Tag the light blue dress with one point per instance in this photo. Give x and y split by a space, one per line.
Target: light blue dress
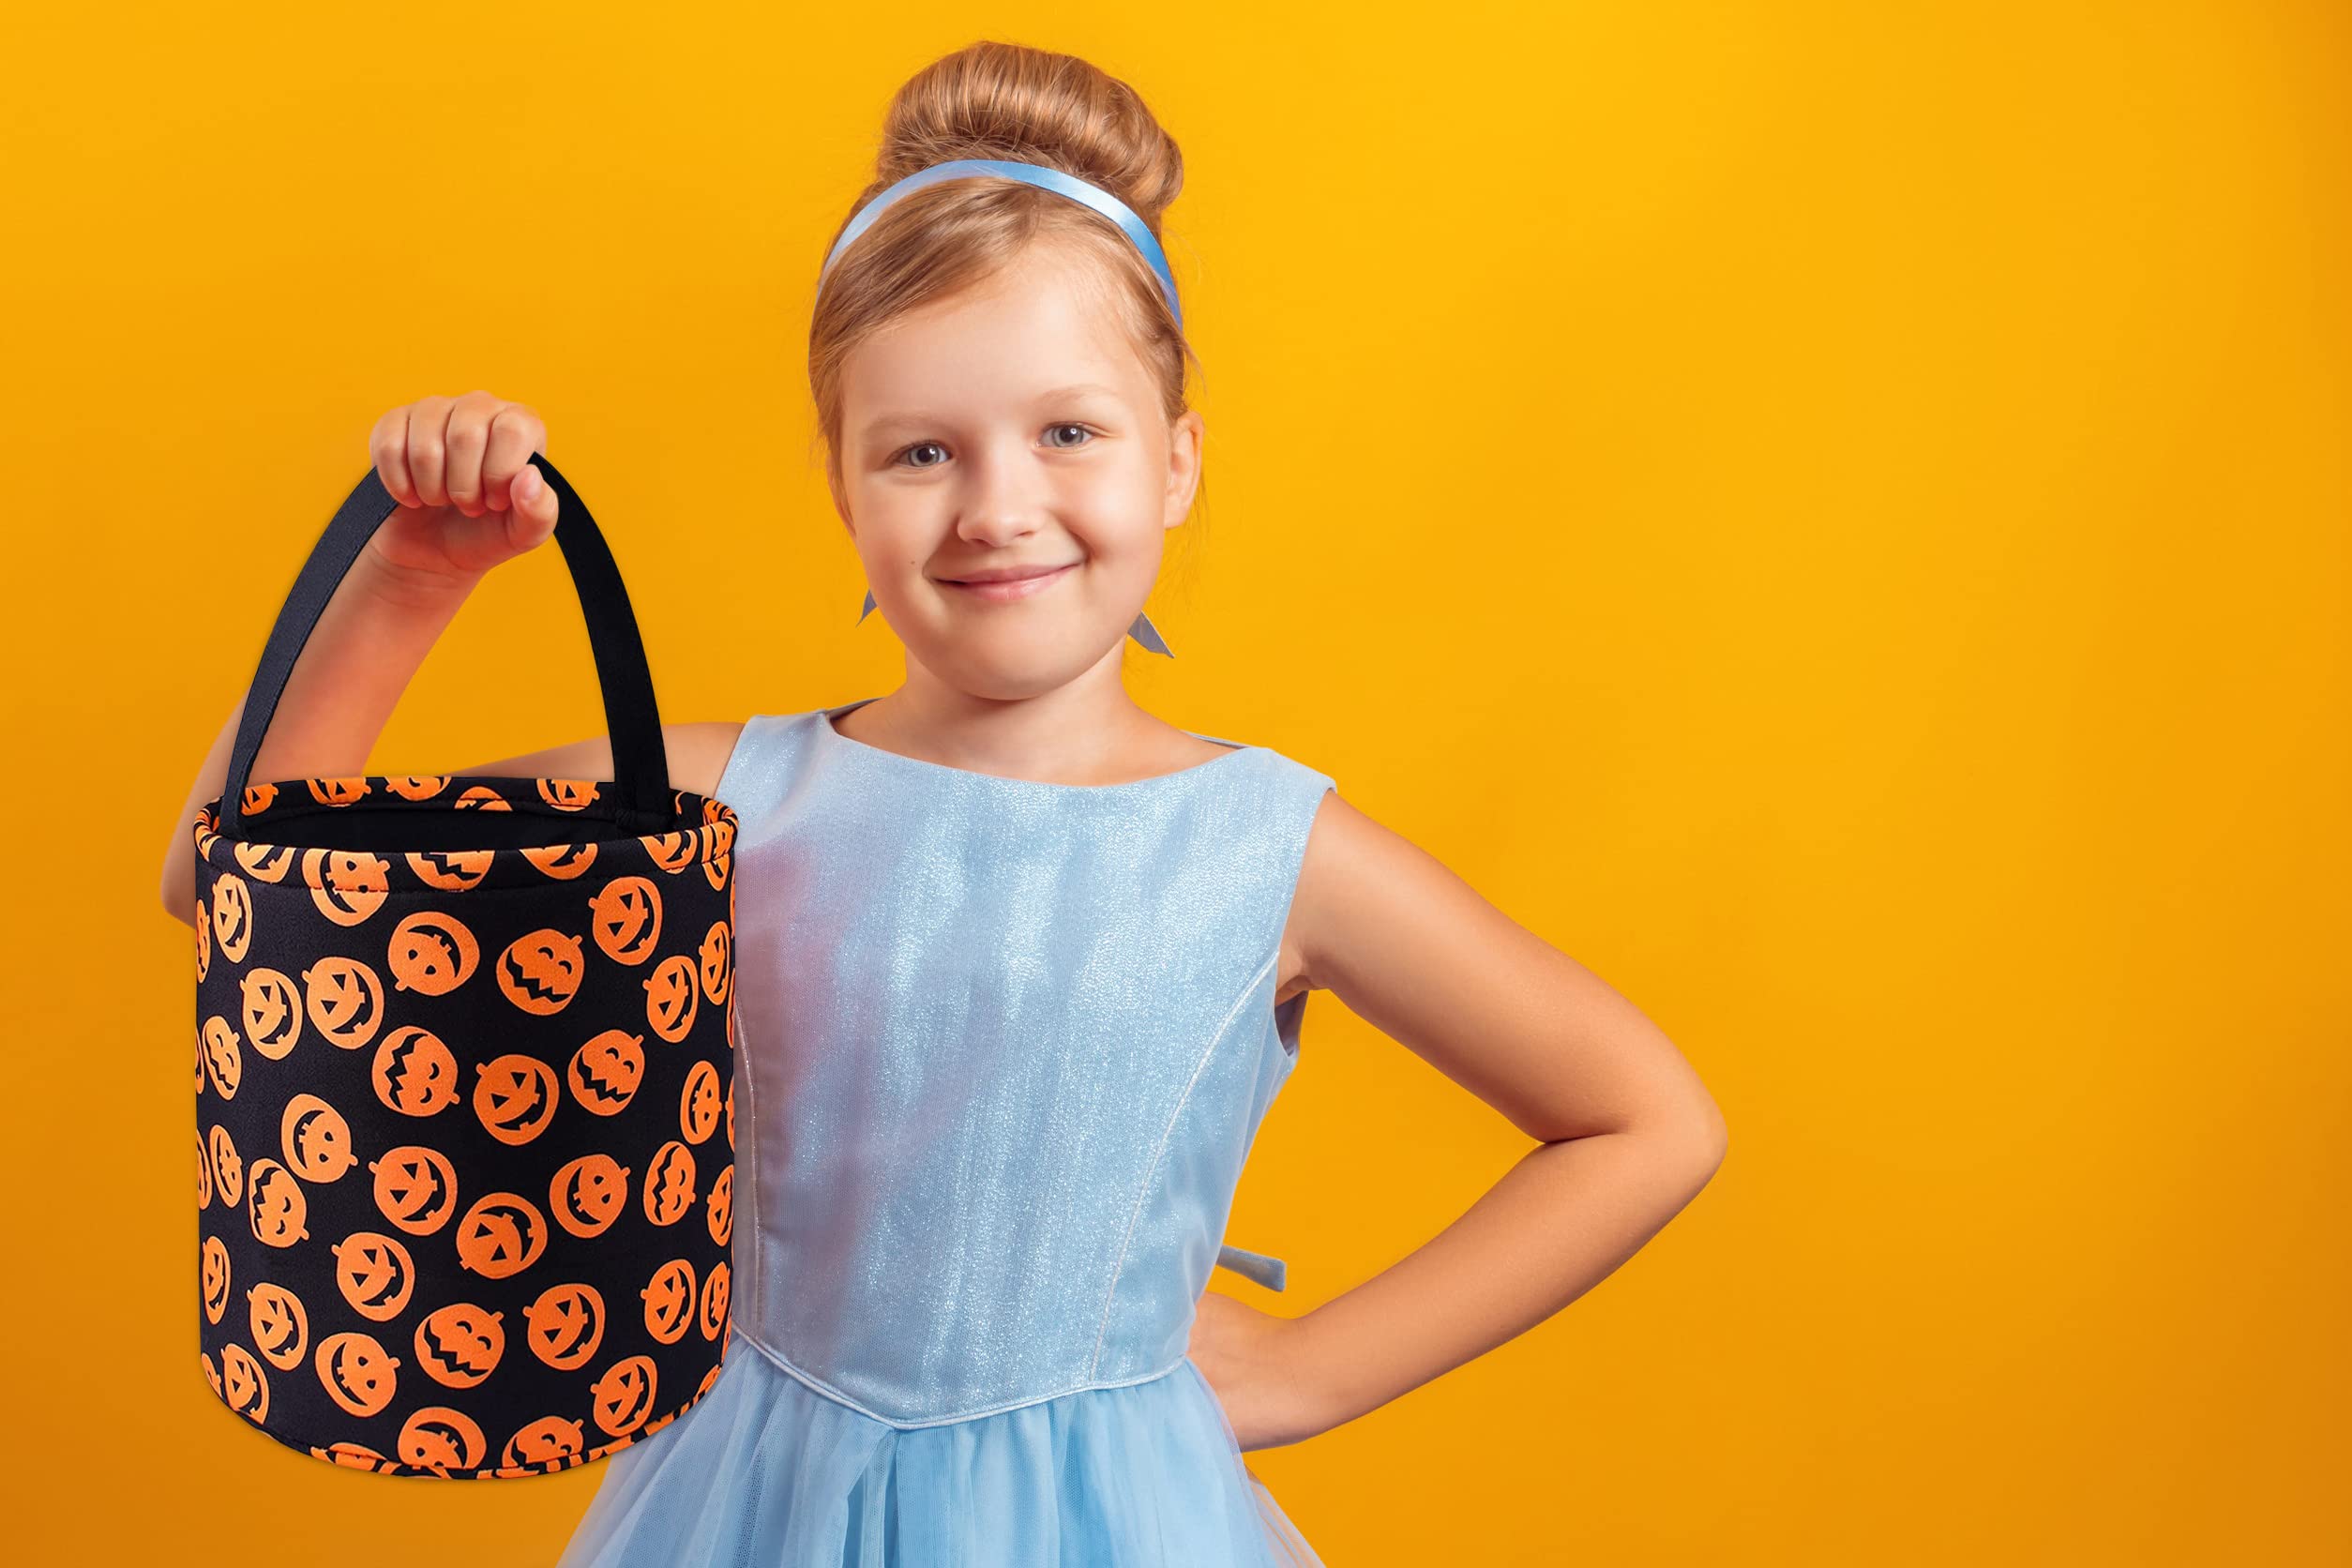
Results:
1001 1049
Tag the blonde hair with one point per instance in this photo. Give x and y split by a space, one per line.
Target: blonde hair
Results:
1003 101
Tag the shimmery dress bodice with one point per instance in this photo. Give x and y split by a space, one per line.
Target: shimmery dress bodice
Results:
1002 1049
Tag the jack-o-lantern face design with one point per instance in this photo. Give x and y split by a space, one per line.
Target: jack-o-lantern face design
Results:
441 1440
347 885
719 1207
212 1373
432 953
357 1372
540 973
228 1168
416 1188
212 1278
671 996
275 1204
716 870
669 1302
624 1395
355 1456
502 1234
718 954
345 1001
714 1299
203 938
566 1324
547 1444
281 1329
461 1345
272 1010
414 1073
731 1096
418 786
222 1059
670 1183
564 862
257 799
204 1174
568 795
375 1273
675 851
514 1097
481 797
268 863
588 1193
316 1138
231 916
604 1072
242 1383
339 791
625 918
452 870
698 1102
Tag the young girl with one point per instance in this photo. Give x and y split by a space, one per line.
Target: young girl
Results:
1019 967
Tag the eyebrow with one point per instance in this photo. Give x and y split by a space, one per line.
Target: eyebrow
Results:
917 419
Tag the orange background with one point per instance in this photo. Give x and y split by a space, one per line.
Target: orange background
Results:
1836 515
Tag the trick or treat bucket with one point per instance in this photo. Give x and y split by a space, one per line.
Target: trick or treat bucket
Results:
465 1082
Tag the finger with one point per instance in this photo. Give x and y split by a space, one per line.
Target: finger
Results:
532 518
468 438
387 448
515 431
427 421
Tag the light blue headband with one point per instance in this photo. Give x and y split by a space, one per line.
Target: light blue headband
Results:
1032 174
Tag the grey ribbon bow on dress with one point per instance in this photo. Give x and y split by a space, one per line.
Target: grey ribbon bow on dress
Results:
1266 1271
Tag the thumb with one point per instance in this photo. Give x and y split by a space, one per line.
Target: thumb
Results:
534 515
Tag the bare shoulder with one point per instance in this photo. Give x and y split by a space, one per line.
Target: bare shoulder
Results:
1356 874
699 752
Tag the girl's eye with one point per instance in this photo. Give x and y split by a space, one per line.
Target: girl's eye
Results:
906 452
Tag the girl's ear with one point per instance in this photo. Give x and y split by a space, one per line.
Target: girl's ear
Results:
840 500
1183 465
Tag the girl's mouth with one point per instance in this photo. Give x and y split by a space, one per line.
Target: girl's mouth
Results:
1012 588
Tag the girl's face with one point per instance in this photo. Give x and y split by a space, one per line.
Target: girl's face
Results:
1012 429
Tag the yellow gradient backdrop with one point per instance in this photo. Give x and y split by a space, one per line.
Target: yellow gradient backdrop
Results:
1835 515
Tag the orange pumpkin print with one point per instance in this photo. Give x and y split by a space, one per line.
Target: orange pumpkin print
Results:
540 973
502 1234
418 786
671 996
550 1443
564 862
604 1072
670 1183
624 1395
718 1210
716 871
674 851
275 1204
440 1440
375 1273
718 954
566 1324
256 799
452 870
669 1301
242 1383
625 918
347 885
588 1193
316 1139
204 1172
481 798
461 1344
345 1001
714 1300
268 863
281 1329
568 795
338 792
212 1278
356 1456
272 1010
414 1073
212 1373
432 954
203 938
228 1168
730 1093
231 916
357 1372
514 1097
415 1188
222 1059
698 1102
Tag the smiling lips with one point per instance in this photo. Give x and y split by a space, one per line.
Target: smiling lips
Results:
999 587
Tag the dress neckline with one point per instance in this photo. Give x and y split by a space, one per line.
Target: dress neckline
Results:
829 736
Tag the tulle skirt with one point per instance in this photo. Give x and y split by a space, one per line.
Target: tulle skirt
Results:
765 1471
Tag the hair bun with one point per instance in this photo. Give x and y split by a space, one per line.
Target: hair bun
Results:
1010 102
